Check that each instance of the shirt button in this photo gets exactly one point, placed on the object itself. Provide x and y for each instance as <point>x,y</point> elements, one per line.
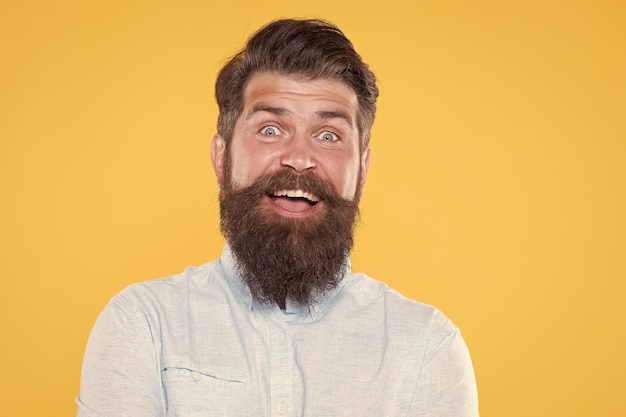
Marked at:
<point>196,376</point>
<point>316,308</point>
<point>282,408</point>
<point>281,338</point>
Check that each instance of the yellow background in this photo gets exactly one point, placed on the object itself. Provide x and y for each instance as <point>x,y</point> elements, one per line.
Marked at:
<point>496,190</point>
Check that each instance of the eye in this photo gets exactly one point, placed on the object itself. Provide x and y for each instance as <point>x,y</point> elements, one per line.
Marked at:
<point>269,130</point>
<point>328,136</point>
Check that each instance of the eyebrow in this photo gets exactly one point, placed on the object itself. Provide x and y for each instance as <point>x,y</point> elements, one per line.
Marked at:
<point>281,111</point>
<point>334,115</point>
<point>278,111</point>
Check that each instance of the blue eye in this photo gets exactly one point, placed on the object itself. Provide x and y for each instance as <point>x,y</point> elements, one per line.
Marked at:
<point>269,130</point>
<point>328,137</point>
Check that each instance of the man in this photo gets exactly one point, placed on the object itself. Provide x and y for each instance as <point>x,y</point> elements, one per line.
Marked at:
<point>279,325</point>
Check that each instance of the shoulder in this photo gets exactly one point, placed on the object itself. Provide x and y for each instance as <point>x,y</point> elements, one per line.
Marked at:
<point>170,292</point>
<point>400,310</point>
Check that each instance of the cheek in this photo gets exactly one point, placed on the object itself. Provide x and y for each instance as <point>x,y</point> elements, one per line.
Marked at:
<point>248,165</point>
<point>346,176</point>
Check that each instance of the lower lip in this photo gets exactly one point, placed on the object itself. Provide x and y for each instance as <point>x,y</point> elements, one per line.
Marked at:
<point>296,213</point>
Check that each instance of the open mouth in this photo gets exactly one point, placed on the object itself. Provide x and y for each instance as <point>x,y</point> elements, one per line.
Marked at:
<point>294,201</point>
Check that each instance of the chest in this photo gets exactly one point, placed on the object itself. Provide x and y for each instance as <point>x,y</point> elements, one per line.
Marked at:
<point>264,366</point>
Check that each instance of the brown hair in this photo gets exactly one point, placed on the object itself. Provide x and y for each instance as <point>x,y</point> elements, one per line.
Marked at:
<point>311,49</point>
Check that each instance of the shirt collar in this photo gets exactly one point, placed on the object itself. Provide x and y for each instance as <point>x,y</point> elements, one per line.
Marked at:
<point>293,312</point>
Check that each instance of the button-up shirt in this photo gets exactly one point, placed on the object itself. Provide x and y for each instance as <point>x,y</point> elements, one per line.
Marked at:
<point>198,344</point>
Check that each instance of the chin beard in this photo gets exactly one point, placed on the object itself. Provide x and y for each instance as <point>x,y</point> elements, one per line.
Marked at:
<point>282,258</point>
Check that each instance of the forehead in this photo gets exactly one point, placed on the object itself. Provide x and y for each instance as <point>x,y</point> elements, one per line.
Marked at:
<point>297,91</point>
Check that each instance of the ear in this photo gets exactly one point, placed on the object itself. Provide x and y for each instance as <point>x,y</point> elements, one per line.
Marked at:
<point>218,153</point>
<point>365,167</point>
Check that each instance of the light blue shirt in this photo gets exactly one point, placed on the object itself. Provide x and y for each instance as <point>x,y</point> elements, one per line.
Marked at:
<point>196,344</point>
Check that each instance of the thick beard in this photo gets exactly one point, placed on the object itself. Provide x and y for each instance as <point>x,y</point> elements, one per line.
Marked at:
<point>281,258</point>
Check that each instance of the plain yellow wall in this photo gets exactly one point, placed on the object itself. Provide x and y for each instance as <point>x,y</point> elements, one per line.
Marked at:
<point>496,190</point>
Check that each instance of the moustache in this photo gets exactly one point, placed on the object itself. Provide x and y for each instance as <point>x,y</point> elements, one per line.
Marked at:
<point>288,180</point>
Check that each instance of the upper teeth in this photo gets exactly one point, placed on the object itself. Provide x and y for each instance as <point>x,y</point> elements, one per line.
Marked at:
<point>296,194</point>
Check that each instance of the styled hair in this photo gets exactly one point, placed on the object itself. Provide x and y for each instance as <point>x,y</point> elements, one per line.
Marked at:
<point>311,49</point>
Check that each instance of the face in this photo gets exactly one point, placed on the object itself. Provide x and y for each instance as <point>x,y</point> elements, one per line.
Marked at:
<point>300,126</point>
<point>290,185</point>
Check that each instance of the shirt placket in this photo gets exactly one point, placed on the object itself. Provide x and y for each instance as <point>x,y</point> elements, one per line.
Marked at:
<point>281,370</point>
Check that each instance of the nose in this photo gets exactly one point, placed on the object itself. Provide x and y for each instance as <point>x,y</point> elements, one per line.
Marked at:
<point>298,154</point>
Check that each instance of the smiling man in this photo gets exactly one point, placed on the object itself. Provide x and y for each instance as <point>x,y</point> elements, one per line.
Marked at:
<point>280,325</point>
<point>291,174</point>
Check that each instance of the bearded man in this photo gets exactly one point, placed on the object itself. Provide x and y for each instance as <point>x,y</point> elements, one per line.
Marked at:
<point>279,325</point>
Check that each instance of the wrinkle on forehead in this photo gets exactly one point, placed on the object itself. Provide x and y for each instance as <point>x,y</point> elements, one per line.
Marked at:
<point>281,111</point>
<point>291,87</point>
